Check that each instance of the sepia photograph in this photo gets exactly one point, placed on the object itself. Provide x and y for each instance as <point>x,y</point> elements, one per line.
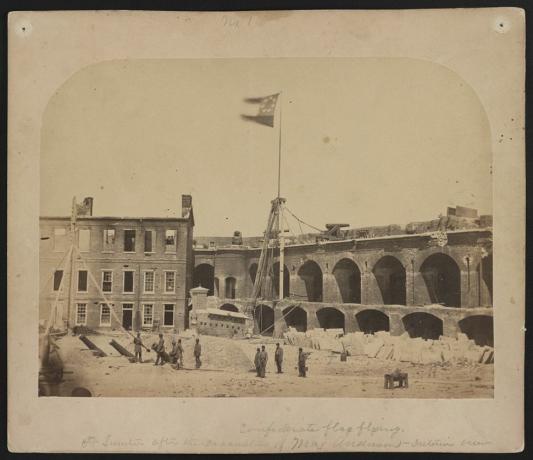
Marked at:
<point>266,227</point>
<point>266,232</point>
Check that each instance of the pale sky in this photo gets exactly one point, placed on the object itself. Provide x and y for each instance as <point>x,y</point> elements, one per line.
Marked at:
<point>364,142</point>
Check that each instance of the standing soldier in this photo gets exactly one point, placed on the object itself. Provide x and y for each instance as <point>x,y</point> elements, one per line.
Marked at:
<point>257,362</point>
<point>301,363</point>
<point>263,359</point>
<point>160,350</point>
<point>278,357</point>
<point>137,342</point>
<point>179,362</point>
<point>198,353</point>
<point>174,353</point>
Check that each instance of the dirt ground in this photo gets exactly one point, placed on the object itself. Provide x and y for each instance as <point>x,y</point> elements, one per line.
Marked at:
<point>228,371</point>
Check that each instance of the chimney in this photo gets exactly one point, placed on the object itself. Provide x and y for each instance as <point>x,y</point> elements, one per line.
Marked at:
<point>88,205</point>
<point>186,205</point>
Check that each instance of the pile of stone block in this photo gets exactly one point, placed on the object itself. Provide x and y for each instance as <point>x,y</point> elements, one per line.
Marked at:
<point>384,346</point>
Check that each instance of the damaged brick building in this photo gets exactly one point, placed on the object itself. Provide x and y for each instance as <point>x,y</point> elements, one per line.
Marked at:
<point>427,278</point>
<point>141,266</point>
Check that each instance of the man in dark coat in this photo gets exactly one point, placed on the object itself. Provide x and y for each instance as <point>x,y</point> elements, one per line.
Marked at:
<point>160,350</point>
<point>257,363</point>
<point>174,353</point>
<point>302,357</point>
<point>179,362</point>
<point>278,357</point>
<point>263,359</point>
<point>198,353</point>
<point>138,348</point>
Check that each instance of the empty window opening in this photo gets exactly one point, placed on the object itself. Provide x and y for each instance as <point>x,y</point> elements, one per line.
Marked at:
<point>149,240</point>
<point>390,277</point>
<point>168,318</point>
<point>348,278</point>
<point>371,321</point>
<point>109,239</point>
<point>82,281</point>
<point>170,240</point>
<point>128,281</point>
<point>423,325</point>
<point>58,277</point>
<point>129,240</point>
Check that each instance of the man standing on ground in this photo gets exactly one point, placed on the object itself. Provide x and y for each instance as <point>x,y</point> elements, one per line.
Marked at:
<point>138,344</point>
<point>302,369</point>
<point>198,353</point>
<point>278,357</point>
<point>179,362</point>
<point>160,350</point>
<point>257,362</point>
<point>263,359</point>
<point>174,353</point>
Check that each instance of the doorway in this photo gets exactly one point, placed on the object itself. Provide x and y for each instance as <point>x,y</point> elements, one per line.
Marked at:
<point>127,316</point>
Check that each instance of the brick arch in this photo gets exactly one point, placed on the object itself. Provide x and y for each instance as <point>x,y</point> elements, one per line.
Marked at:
<point>331,318</point>
<point>390,275</point>
<point>370,320</point>
<point>442,279</point>
<point>310,275</point>
<point>423,254</point>
<point>479,328</point>
<point>424,325</point>
<point>348,277</point>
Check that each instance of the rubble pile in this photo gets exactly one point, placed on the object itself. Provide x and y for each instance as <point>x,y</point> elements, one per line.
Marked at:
<point>384,346</point>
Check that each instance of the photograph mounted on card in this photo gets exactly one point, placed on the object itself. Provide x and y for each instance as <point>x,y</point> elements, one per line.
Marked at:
<point>322,228</point>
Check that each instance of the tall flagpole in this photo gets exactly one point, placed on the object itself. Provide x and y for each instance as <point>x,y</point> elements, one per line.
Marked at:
<point>280,214</point>
<point>279,149</point>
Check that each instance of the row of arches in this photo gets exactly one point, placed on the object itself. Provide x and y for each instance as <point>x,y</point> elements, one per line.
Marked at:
<point>419,324</point>
<point>440,274</point>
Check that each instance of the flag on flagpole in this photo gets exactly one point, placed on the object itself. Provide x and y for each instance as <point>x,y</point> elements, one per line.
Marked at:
<point>267,107</point>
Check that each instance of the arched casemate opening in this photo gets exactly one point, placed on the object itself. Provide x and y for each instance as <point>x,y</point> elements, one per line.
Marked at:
<point>330,318</point>
<point>204,276</point>
<point>296,317</point>
<point>370,321</point>
<point>311,275</point>
<point>479,328</point>
<point>252,271</point>
<point>348,278</point>
<point>443,280</point>
<point>423,325</point>
<point>390,276</point>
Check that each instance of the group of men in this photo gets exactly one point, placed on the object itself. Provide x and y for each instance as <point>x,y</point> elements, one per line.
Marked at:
<point>175,356</point>
<point>261,359</point>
